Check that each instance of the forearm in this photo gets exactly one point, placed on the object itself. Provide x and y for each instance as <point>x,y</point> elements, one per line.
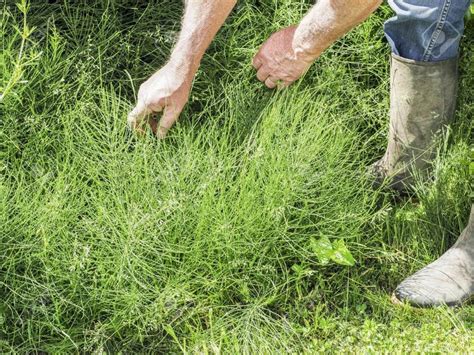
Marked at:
<point>202,19</point>
<point>326,22</point>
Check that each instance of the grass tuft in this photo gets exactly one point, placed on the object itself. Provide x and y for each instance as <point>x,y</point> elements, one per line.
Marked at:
<point>202,242</point>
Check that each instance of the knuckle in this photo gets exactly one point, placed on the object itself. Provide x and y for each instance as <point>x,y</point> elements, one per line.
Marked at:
<point>147,103</point>
<point>152,104</point>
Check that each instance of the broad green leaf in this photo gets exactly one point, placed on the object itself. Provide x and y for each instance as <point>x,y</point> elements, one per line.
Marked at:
<point>341,255</point>
<point>322,247</point>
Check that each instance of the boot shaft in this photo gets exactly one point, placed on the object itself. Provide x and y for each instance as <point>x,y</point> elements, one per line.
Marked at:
<point>422,104</point>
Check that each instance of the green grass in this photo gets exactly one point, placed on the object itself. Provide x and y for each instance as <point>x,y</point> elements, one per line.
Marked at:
<point>202,242</point>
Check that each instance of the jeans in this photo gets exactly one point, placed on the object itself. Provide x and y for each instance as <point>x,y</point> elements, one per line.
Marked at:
<point>426,30</point>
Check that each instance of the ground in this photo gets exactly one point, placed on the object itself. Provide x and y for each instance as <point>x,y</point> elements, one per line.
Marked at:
<point>207,241</point>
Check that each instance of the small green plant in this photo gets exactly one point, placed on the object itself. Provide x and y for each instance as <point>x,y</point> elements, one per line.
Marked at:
<point>336,251</point>
<point>227,236</point>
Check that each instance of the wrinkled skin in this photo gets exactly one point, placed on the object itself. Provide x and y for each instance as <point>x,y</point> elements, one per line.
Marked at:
<point>166,91</point>
<point>281,60</point>
<point>276,62</point>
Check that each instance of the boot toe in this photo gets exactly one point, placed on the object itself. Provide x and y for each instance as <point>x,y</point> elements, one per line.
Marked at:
<point>431,288</point>
<point>447,281</point>
<point>401,183</point>
<point>416,295</point>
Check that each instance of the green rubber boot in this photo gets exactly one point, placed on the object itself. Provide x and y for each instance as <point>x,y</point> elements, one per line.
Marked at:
<point>447,281</point>
<point>422,103</point>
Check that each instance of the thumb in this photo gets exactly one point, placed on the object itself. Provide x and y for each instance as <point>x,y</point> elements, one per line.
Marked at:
<point>137,114</point>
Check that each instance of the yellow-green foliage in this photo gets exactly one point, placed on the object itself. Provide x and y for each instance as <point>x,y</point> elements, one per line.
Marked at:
<point>207,241</point>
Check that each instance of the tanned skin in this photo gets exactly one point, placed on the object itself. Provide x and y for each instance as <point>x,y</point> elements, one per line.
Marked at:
<point>281,60</point>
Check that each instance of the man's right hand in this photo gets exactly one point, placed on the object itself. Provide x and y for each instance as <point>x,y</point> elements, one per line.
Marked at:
<point>166,91</point>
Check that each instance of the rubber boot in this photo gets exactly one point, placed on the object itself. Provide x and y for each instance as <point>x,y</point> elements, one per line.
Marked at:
<point>447,281</point>
<point>422,103</point>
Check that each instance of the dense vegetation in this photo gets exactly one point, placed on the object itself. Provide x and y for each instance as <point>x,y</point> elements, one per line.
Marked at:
<point>208,240</point>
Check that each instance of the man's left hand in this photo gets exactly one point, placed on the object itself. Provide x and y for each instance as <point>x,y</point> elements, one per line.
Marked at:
<point>276,62</point>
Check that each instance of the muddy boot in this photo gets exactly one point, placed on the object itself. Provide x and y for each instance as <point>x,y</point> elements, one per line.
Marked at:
<point>447,281</point>
<point>422,103</point>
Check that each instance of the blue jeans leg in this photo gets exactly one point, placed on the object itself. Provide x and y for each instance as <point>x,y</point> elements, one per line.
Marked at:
<point>426,30</point>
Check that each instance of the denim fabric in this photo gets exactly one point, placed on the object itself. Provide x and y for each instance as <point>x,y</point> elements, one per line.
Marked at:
<point>426,30</point>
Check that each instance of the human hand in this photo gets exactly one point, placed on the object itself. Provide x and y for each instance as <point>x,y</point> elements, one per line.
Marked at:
<point>166,91</point>
<point>276,62</point>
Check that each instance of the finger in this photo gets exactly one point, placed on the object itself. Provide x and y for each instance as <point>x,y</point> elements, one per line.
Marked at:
<point>137,114</point>
<point>263,74</point>
<point>279,83</point>
<point>153,123</point>
<point>257,62</point>
<point>269,83</point>
<point>169,117</point>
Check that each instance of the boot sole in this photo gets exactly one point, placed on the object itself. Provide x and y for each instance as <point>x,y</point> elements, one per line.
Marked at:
<point>397,302</point>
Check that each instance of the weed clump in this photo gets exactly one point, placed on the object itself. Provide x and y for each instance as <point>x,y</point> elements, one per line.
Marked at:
<point>204,241</point>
